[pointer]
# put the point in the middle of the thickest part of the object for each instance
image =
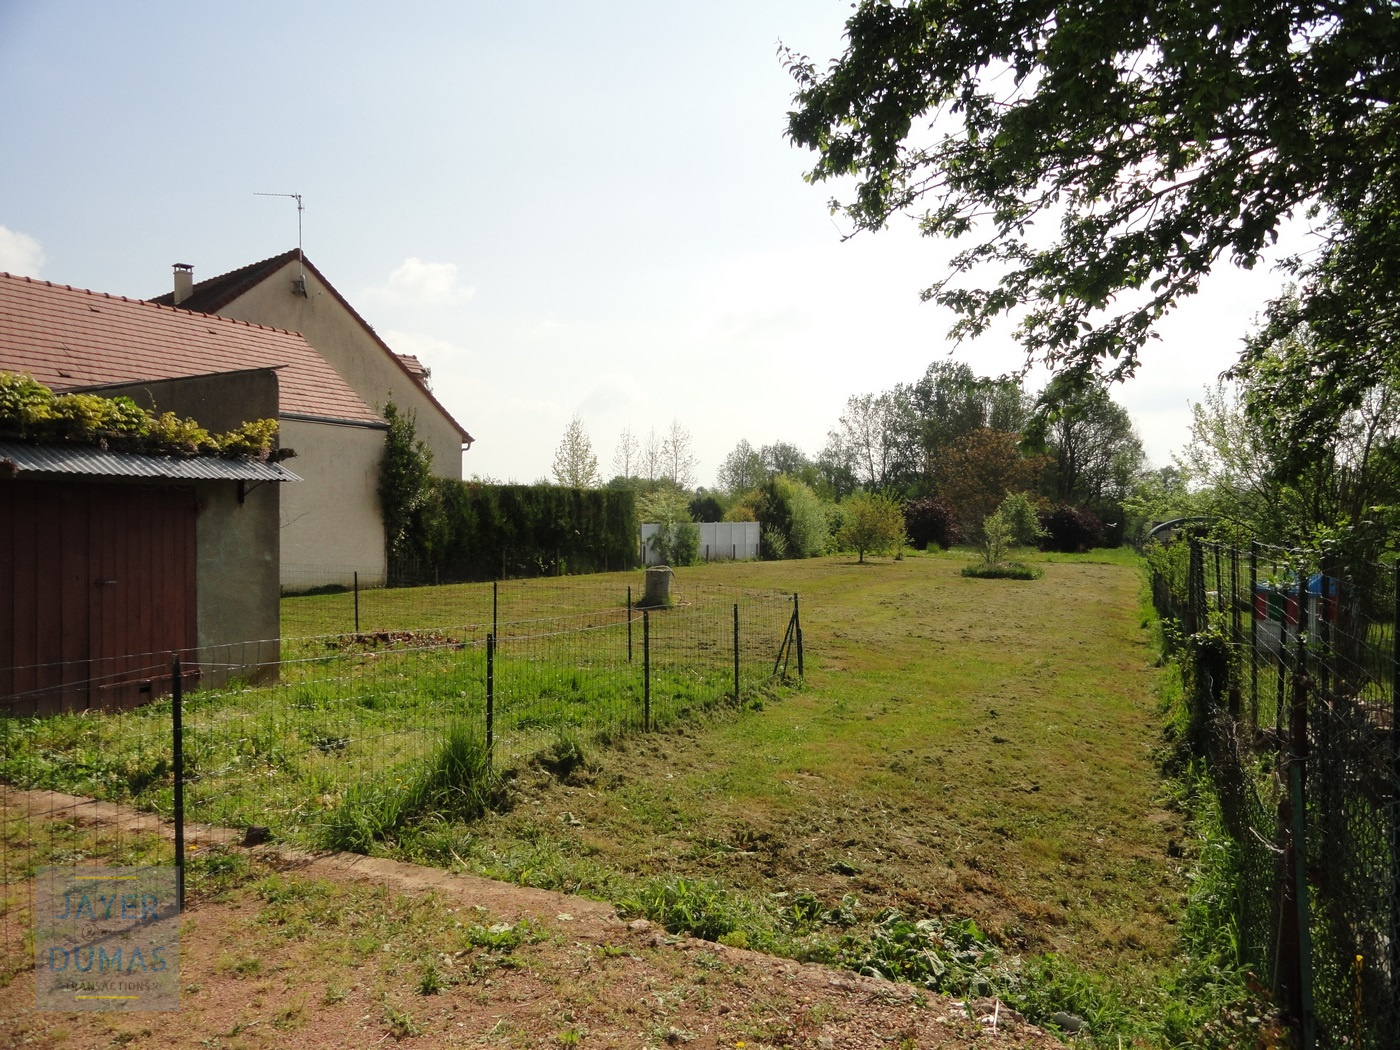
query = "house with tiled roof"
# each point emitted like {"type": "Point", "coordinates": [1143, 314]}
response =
{"type": "Point", "coordinates": [288, 292]}
{"type": "Point", "coordinates": [75, 340]}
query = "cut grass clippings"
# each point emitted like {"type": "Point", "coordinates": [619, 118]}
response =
{"type": "Point", "coordinates": [959, 754]}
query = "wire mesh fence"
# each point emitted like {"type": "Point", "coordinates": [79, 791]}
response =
{"type": "Point", "coordinates": [326, 601]}
{"type": "Point", "coordinates": [351, 741]}
{"type": "Point", "coordinates": [1293, 660]}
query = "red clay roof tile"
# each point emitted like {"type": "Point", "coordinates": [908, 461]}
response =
{"type": "Point", "coordinates": [213, 294]}
{"type": "Point", "coordinates": [68, 338]}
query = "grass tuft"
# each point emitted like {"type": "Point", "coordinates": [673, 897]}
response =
{"type": "Point", "coordinates": [456, 783]}
{"type": "Point", "coordinates": [699, 907]}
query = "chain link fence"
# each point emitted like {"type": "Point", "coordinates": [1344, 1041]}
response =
{"type": "Point", "coordinates": [1291, 662]}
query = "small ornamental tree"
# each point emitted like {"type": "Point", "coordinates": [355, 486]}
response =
{"type": "Point", "coordinates": [871, 522]}
{"type": "Point", "coordinates": [1013, 524]}
{"type": "Point", "coordinates": [677, 542]}
{"type": "Point", "coordinates": [575, 465]}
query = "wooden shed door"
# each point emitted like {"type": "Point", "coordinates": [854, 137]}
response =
{"type": "Point", "coordinates": [97, 587]}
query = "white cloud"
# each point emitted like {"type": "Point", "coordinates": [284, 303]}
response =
{"type": "Point", "coordinates": [20, 253]}
{"type": "Point", "coordinates": [419, 283]}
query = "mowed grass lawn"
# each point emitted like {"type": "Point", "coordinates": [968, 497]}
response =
{"type": "Point", "coordinates": [968, 748]}
{"type": "Point", "coordinates": [960, 748]}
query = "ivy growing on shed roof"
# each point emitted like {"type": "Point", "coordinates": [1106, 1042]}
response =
{"type": "Point", "coordinates": [30, 411]}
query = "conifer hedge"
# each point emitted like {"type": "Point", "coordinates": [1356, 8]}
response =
{"type": "Point", "coordinates": [476, 531]}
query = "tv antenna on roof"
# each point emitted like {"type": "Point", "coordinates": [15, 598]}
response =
{"type": "Point", "coordinates": [299, 285]}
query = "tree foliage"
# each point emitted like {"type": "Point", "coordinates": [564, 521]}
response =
{"type": "Point", "coordinates": [405, 478]}
{"type": "Point", "coordinates": [871, 438]}
{"type": "Point", "coordinates": [1070, 529]}
{"type": "Point", "coordinates": [575, 465]}
{"type": "Point", "coordinates": [871, 522]}
{"type": "Point", "coordinates": [1345, 490]}
{"type": "Point", "coordinates": [1013, 524]}
{"type": "Point", "coordinates": [792, 520]}
{"type": "Point", "coordinates": [678, 456]}
{"type": "Point", "coordinates": [741, 470]}
{"type": "Point", "coordinates": [677, 540]}
{"type": "Point", "coordinates": [978, 472]}
{"type": "Point", "coordinates": [627, 455]}
{"type": "Point", "coordinates": [950, 401]}
{"type": "Point", "coordinates": [1094, 454]}
{"type": "Point", "coordinates": [931, 520]}
{"type": "Point", "coordinates": [783, 457]}
{"type": "Point", "coordinates": [1159, 138]}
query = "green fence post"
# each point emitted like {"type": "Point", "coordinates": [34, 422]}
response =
{"type": "Point", "coordinates": [1195, 589]}
{"type": "Point", "coordinates": [646, 670]}
{"type": "Point", "coordinates": [629, 624]}
{"type": "Point", "coordinates": [1395, 779]}
{"type": "Point", "coordinates": [797, 622]}
{"type": "Point", "coordinates": [736, 652]}
{"type": "Point", "coordinates": [1236, 632]}
{"type": "Point", "coordinates": [490, 696]}
{"type": "Point", "coordinates": [357, 601]}
{"type": "Point", "coordinates": [177, 761]}
{"type": "Point", "coordinates": [1302, 1000]}
{"type": "Point", "coordinates": [1253, 634]}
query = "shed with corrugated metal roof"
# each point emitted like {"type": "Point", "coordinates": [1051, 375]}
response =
{"type": "Point", "coordinates": [110, 562]}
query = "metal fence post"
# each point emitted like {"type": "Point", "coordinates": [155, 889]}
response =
{"type": "Point", "coordinates": [495, 630]}
{"type": "Point", "coordinates": [736, 652]}
{"type": "Point", "coordinates": [1195, 588]}
{"type": "Point", "coordinates": [357, 601]}
{"type": "Point", "coordinates": [1236, 632]}
{"type": "Point", "coordinates": [1219, 583]}
{"type": "Point", "coordinates": [646, 670]}
{"type": "Point", "coordinates": [177, 757]}
{"type": "Point", "coordinates": [1300, 970]}
{"type": "Point", "coordinates": [797, 622]}
{"type": "Point", "coordinates": [629, 624]}
{"type": "Point", "coordinates": [490, 696]}
{"type": "Point", "coordinates": [1395, 779]}
{"type": "Point", "coordinates": [1254, 633]}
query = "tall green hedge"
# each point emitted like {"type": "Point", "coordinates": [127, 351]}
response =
{"type": "Point", "coordinates": [477, 532]}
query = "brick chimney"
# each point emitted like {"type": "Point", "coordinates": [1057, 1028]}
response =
{"type": "Point", "coordinates": [184, 282]}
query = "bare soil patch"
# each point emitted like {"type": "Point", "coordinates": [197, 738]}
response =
{"type": "Point", "coordinates": [353, 951]}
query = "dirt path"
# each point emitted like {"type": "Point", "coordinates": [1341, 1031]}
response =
{"type": "Point", "coordinates": [344, 950]}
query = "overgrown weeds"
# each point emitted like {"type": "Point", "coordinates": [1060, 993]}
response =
{"type": "Point", "coordinates": [457, 783]}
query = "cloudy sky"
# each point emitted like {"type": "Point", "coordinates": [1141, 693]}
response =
{"type": "Point", "coordinates": [560, 207]}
